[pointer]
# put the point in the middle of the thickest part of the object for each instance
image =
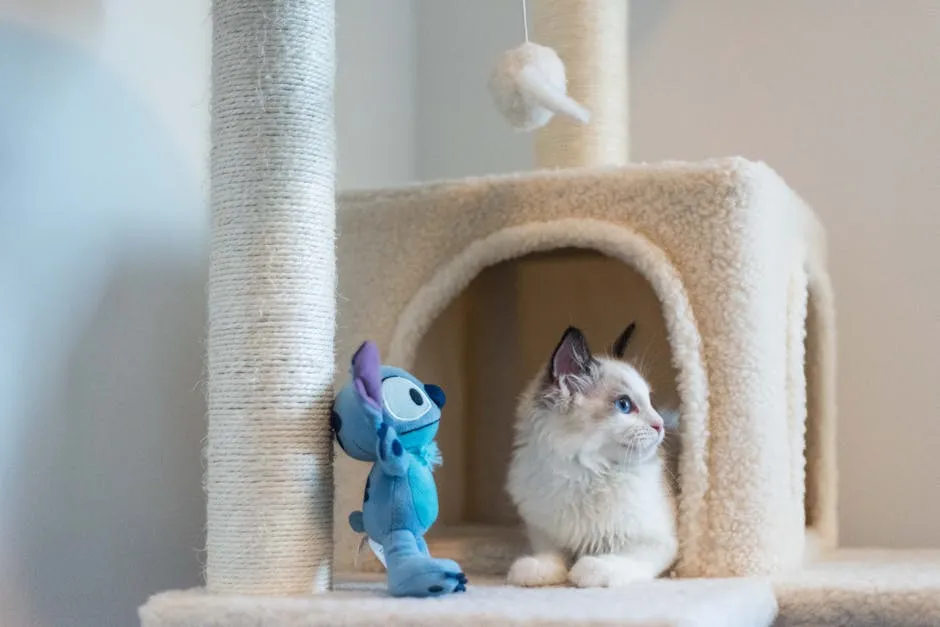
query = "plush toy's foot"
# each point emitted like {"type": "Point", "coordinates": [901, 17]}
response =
{"type": "Point", "coordinates": [414, 574]}
{"type": "Point", "coordinates": [425, 577]}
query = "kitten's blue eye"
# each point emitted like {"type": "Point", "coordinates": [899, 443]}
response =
{"type": "Point", "coordinates": [624, 404]}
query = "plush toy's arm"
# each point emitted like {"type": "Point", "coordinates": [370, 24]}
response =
{"type": "Point", "coordinates": [393, 458]}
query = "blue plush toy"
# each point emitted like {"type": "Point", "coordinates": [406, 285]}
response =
{"type": "Point", "coordinates": [388, 417]}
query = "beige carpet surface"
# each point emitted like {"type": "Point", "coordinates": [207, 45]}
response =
{"type": "Point", "coordinates": [664, 603]}
{"type": "Point", "coordinates": [863, 588]}
{"type": "Point", "coordinates": [849, 588]}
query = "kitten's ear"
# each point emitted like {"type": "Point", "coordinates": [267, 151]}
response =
{"type": "Point", "coordinates": [572, 356]}
{"type": "Point", "coordinates": [620, 346]}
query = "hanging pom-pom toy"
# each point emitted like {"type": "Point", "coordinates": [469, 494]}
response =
{"type": "Point", "coordinates": [529, 86]}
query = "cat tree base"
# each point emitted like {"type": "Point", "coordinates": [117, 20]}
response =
{"type": "Point", "coordinates": [863, 588]}
{"type": "Point", "coordinates": [860, 588]}
{"type": "Point", "coordinates": [690, 603]}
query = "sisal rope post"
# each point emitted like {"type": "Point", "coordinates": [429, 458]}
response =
{"type": "Point", "coordinates": [590, 36]}
{"type": "Point", "coordinates": [269, 476]}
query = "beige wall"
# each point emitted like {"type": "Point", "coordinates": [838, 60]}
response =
{"type": "Point", "coordinates": [104, 123]}
{"type": "Point", "coordinates": [103, 163]}
{"type": "Point", "coordinates": [842, 98]}
{"type": "Point", "coordinates": [376, 103]}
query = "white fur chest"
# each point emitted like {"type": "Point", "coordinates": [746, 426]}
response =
{"type": "Point", "coordinates": [591, 510]}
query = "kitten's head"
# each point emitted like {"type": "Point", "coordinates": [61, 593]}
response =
{"type": "Point", "coordinates": [596, 409]}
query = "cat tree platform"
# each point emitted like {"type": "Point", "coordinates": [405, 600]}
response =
{"type": "Point", "coordinates": [849, 588]}
{"type": "Point", "coordinates": [663, 603]}
{"type": "Point", "coordinates": [863, 588]}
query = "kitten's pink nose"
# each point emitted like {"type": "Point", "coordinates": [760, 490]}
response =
{"type": "Point", "coordinates": [657, 426]}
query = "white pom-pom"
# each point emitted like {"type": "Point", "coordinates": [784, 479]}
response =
{"type": "Point", "coordinates": [529, 86]}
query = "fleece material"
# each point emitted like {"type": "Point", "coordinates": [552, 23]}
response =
{"type": "Point", "coordinates": [863, 588]}
{"type": "Point", "coordinates": [847, 588]}
{"type": "Point", "coordinates": [703, 603]}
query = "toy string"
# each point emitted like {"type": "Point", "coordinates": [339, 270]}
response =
{"type": "Point", "coordinates": [525, 21]}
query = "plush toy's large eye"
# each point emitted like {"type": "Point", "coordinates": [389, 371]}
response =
{"type": "Point", "coordinates": [404, 400]}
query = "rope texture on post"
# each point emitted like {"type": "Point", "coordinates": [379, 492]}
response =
{"type": "Point", "coordinates": [269, 477]}
{"type": "Point", "coordinates": [590, 36]}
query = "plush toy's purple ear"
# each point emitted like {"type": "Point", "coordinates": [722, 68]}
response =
{"type": "Point", "coordinates": [366, 366]}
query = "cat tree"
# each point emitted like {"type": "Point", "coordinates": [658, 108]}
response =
{"type": "Point", "coordinates": [721, 256]}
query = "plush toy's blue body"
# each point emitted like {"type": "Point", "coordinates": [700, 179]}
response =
{"type": "Point", "coordinates": [387, 416]}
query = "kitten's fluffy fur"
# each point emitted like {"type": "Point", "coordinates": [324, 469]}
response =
{"type": "Point", "coordinates": [587, 477]}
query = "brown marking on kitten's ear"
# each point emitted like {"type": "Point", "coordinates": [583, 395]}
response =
{"type": "Point", "coordinates": [571, 357]}
{"type": "Point", "coordinates": [620, 346]}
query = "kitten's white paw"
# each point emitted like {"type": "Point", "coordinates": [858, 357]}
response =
{"type": "Point", "coordinates": [543, 569]}
{"type": "Point", "coordinates": [608, 571]}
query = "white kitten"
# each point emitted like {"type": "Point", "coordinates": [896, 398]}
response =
{"type": "Point", "coordinates": [586, 474]}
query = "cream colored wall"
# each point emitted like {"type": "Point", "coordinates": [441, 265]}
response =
{"type": "Point", "coordinates": [104, 121]}
{"type": "Point", "coordinates": [103, 180]}
{"type": "Point", "coordinates": [842, 99]}
{"type": "Point", "coordinates": [376, 102]}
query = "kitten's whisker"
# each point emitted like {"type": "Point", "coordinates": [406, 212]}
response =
{"type": "Point", "coordinates": [633, 445]}
{"type": "Point", "coordinates": [642, 369]}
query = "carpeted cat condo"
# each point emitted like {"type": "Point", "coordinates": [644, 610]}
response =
{"type": "Point", "coordinates": [469, 283]}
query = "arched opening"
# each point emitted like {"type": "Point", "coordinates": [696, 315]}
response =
{"type": "Point", "coordinates": [811, 444]}
{"type": "Point", "coordinates": [494, 337]}
{"type": "Point", "coordinates": [819, 446]}
{"type": "Point", "coordinates": [487, 323]}
{"type": "Point", "coordinates": [810, 410]}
